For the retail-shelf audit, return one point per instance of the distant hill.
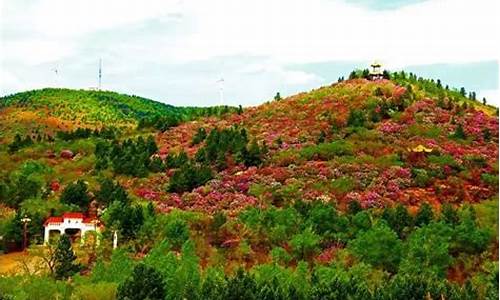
(50, 109)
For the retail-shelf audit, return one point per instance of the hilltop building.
(74, 224)
(376, 71)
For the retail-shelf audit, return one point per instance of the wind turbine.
(56, 76)
(221, 91)
(100, 74)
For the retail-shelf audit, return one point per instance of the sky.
(176, 51)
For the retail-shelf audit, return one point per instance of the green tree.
(111, 191)
(321, 137)
(177, 232)
(199, 136)
(305, 244)
(145, 283)
(76, 194)
(354, 207)
(427, 250)
(468, 237)
(65, 265)
(241, 286)
(459, 132)
(188, 177)
(378, 246)
(214, 285)
(277, 97)
(424, 215)
(253, 156)
(449, 215)
(356, 118)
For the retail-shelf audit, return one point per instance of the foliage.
(188, 177)
(379, 246)
(76, 194)
(145, 283)
(305, 244)
(427, 251)
(177, 232)
(64, 256)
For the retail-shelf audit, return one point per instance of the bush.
(356, 118)
(98, 291)
(420, 177)
(327, 151)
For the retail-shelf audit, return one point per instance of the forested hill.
(49, 110)
(361, 189)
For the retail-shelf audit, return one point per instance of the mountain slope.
(411, 143)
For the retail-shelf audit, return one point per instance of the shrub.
(327, 151)
(344, 184)
(420, 177)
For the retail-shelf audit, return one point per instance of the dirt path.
(10, 262)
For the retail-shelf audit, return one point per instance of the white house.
(72, 223)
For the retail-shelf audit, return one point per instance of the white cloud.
(132, 34)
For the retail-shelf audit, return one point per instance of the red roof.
(53, 220)
(68, 215)
(73, 215)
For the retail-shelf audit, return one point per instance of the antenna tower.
(100, 73)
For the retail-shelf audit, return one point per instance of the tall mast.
(100, 73)
(221, 91)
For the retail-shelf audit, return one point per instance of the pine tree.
(321, 138)
(449, 214)
(424, 215)
(145, 283)
(439, 85)
(65, 265)
(277, 97)
(459, 132)
(76, 193)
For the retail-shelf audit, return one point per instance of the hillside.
(366, 189)
(49, 110)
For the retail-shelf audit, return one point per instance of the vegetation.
(364, 189)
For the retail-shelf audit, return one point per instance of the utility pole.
(25, 222)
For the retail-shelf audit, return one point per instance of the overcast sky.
(175, 51)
